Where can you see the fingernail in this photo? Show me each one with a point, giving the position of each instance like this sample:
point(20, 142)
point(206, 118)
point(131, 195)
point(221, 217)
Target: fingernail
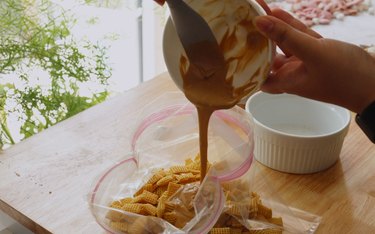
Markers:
point(263, 23)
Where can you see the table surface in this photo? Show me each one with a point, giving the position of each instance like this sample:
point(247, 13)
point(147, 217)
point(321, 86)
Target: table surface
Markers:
point(46, 179)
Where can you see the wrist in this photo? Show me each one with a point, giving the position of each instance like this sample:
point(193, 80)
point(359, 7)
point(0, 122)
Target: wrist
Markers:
point(367, 95)
point(366, 121)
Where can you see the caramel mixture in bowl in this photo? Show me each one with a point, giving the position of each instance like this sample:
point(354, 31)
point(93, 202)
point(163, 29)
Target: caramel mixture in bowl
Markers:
point(247, 57)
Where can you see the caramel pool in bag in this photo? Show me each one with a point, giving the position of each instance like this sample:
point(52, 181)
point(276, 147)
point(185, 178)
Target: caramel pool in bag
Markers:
point(156, 188)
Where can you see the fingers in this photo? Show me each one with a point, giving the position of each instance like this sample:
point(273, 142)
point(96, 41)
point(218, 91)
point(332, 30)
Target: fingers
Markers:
point(264, 5)
point(278, 61)
point(295, 42)
point(289, 78)
point(295, 23)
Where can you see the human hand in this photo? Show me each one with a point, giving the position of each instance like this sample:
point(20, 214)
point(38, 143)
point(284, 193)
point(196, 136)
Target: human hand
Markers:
point(314, 67)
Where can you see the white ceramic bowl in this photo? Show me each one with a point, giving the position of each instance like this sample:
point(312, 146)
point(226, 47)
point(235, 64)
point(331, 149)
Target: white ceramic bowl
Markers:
point(247, 59)
point(295, 134)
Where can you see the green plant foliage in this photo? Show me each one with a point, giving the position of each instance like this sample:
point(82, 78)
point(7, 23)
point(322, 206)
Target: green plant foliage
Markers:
point(36, 42)
point(109, 3)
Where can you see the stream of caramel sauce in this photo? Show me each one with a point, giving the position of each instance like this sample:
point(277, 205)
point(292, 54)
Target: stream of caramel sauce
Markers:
point(212, 89)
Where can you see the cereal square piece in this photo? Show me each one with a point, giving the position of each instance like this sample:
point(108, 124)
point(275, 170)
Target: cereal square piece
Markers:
point(146, 197)
point(257, 197)
point(253, 207)
point(195, 172)
point(276, 220)
point(148, 187)
point(179, 169)
point(139, 226)
point(172, 188)
point(225, 230)
point(194, 166)
point(156, 177)
point(148, 209)
point(133, 208)
point(119, 226)
point(185, 178)
point(116, 204)
point(232, 208)
point(169, 207)
point(126, 200)
point(197, 158)
point(160, 190)
point(160, 209)
point(188, 161)
point(170, 217)
point(264, 211)
point(115, 216)
point(165, 180)
point(264, 231)
point(164, 196)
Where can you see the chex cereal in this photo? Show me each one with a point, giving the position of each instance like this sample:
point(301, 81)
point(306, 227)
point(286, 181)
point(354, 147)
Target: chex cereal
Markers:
point(154, 199)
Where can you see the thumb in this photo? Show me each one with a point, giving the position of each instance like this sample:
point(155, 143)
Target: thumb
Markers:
point(287, 38)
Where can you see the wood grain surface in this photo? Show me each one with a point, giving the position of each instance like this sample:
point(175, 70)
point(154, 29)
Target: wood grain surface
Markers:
point(46, 179)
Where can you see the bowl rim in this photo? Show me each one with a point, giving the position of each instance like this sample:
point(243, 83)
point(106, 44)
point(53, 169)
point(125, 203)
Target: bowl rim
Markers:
point(342, 129)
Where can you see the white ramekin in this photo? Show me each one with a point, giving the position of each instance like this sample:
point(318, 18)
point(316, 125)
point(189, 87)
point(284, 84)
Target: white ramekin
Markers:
point(295, 134)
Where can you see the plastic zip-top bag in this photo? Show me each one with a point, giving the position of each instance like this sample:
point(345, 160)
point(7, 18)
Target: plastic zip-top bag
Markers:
point(156, 188)
point(254, 206)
